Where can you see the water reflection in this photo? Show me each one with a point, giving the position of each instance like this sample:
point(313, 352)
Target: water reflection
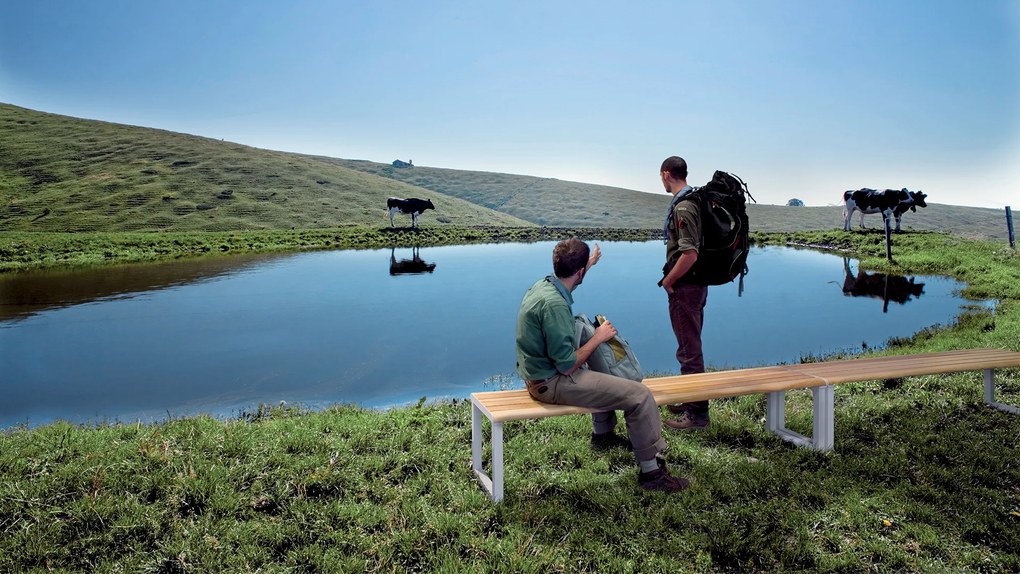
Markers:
point(413, 266)
point(895, 288)
point(25, 294)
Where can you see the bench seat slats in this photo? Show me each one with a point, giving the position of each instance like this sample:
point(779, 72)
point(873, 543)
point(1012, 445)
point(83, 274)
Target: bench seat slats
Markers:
point(517, 404)
point(878, 368)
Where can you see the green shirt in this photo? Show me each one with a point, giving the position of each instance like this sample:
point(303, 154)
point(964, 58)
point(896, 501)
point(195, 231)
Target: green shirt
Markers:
point(545, 331)
point(688, 235)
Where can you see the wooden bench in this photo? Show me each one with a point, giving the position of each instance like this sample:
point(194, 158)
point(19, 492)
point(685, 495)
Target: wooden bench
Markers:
point(502, 406)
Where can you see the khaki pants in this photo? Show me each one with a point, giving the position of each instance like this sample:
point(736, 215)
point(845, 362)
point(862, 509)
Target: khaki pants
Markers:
point(586, 388)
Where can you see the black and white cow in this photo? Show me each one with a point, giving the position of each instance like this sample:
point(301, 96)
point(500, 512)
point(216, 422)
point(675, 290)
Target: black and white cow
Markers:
point(411, 206)
point(890, 203)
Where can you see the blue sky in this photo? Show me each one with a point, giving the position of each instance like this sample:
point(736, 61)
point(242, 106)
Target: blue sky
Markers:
point(801, 98)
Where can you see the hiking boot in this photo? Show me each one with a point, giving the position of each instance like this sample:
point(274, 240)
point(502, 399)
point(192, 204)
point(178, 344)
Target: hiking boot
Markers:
point(688, 421)
point(609, 440)
point(677, 409)
point(661, 480)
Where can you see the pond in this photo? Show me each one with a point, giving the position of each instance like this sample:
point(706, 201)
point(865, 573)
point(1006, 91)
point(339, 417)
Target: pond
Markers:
point(385, 327)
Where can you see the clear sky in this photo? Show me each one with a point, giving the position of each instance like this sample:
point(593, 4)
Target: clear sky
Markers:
point(801, 98)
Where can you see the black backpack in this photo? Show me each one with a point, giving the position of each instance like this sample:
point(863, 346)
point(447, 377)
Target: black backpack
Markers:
point(722, 255)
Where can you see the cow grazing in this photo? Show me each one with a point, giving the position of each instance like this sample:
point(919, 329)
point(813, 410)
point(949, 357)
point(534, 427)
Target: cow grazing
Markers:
point(411, 206)
point(891, 203)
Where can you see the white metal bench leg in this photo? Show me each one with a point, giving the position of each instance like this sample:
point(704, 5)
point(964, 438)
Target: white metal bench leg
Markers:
point(493, 485)
point(990, 394)
point(823, 420)
point(775, 412)
point(824, 417)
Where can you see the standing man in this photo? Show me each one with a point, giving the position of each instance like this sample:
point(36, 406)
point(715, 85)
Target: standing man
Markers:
point(552, 368)
point(682, 233)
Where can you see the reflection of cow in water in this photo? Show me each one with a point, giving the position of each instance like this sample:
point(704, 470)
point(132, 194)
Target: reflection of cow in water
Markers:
point(413, 266)
point(894, 288)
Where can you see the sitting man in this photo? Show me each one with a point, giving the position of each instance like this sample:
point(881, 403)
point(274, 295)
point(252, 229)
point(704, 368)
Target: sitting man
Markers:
point(551, 367)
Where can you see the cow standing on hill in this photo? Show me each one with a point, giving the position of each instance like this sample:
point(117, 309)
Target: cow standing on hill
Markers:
point(411, 206)
point(891, 203)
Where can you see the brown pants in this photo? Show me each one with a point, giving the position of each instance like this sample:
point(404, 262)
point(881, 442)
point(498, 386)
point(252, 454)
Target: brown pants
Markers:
point(687, 315)
point(586, 388)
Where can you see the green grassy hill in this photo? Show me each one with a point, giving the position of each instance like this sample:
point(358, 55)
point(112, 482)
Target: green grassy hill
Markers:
point(542, 200)
point(554, 202)
point(65, 174)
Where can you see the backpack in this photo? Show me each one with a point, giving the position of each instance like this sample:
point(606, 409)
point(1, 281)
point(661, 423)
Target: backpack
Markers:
point(613, 357)
point(722, 255)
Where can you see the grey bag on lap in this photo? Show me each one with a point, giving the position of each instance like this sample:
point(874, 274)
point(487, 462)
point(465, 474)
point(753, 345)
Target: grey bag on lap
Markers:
point(613, 357)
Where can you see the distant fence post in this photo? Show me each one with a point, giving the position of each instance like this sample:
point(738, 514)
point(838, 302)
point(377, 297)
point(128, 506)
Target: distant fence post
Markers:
point(888, 238)
point(1009, 227)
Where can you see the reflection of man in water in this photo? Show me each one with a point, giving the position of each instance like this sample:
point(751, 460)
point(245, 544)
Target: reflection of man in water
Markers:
point(415, 265)
point(551, 367)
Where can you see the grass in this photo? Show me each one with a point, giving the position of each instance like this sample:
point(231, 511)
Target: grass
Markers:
point(62, 174)
point(72, 175)
point(544, 201)
point(923, 477)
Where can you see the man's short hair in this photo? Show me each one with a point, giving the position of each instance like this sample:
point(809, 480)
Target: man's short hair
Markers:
point(569, 256)
point(676, 166)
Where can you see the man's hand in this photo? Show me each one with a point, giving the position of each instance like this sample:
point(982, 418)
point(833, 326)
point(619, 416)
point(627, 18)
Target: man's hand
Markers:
point(604, 332)
point(680, 268)
point(593, 257)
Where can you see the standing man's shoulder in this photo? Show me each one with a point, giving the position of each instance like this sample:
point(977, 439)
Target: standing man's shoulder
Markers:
point(688, 207)
point(690, 203)
point(692, 197)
